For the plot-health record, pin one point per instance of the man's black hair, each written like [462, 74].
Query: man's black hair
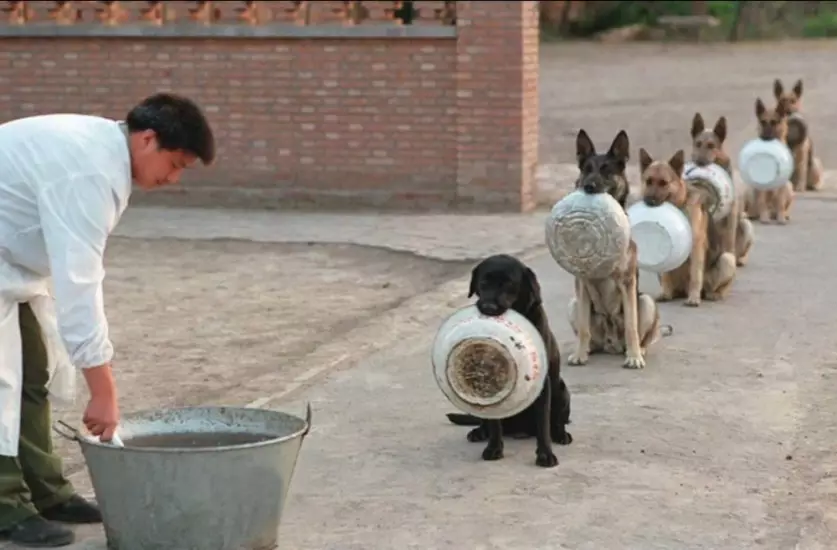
[178, 122]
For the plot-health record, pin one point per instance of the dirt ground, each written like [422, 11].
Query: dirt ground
[197, 322]
[653, 91]
[194, 321]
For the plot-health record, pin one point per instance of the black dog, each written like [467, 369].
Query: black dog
[503, 282]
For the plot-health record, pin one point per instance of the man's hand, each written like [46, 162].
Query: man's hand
[102, 414]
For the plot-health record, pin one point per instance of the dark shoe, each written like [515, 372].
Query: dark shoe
[36, 532]
[74, 510]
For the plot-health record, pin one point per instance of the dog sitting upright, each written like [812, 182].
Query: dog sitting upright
[775, 203]
[808, 169]
[502, 282]
[610, 314]
[709, 271]
[737, 232]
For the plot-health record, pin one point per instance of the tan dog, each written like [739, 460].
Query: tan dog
[709, 271]
[808, 169]
[737, 232]
[610, 315]
[776, 203]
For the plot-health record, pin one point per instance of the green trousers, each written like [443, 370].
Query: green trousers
[34, 480]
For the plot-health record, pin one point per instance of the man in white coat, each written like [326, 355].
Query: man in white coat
[65, 180]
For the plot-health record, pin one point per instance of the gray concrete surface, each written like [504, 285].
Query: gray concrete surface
[725, 440]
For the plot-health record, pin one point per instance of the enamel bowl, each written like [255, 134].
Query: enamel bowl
[717, 181]
[490, 367]
[765, 164]
[662, 235]
[587, 234]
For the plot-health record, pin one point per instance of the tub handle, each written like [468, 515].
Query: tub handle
[307, 420]
[66, 431]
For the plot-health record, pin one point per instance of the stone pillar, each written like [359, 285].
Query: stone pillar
[497, 104]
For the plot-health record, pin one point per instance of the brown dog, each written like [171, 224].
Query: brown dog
[709, 271]
[610, 314]
[776, 203]
[808, 170]
[737, 232]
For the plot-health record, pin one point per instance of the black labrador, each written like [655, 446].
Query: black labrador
[503, 282]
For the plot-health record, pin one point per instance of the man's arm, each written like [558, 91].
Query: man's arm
[77, 214]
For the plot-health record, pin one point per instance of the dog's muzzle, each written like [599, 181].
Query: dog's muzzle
[652, 201]
[491, 309]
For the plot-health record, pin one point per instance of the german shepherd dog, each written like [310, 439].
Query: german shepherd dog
[775, 203]
[737, 232]
[610, 315]
[807, 174]
[502, 282]
[709, 272]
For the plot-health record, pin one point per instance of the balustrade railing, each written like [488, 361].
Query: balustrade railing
[301, 13]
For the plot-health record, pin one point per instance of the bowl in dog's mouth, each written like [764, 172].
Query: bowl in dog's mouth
[481, 371]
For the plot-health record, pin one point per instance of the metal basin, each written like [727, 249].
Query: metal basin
[202, 478]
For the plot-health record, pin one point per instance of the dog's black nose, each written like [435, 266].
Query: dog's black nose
[488, 308]
[651, 201]
[590, 188]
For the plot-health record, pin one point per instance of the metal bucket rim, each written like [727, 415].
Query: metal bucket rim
[300, 433]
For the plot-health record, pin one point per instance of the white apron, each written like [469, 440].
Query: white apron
[66, 180]
[16, 286]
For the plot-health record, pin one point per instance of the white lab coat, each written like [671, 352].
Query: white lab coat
[65, 181]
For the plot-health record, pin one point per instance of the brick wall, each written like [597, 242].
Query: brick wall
[422, 122]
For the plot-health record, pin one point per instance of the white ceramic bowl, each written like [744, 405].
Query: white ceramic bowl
[717, 181]
[587, 234]
[765, 165]
[490, 367]
[662, 235]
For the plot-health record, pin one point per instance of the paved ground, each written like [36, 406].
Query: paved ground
[691, 453]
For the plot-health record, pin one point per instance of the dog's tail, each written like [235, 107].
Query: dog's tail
[666, 330]
[463, 419]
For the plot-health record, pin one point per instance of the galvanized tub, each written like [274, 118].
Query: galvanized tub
[201, 478]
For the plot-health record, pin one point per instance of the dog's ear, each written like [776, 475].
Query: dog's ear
[797, 88]
[584, 147]
[677, 161]
[778, 89]
[720, 129]
[698, 125]
[645, 160]
[475, 277]
[780, 109]
[620, 149]
[760, 108]
[534, 287]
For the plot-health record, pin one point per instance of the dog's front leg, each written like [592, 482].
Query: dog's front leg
[633, 350]
[581, 311]
[697, 262]
[545, 457]
[666, 287]
[761, 206]
[494, 449]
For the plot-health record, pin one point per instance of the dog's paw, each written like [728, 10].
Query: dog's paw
[765, 220]
[712, 296]
[782, 221]
[577, 359]
[492, 453]
[692, 302]
[562, 438]
[634, 363]
[477, 435]
[741, 262]
[546, 459]
[664, 297]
